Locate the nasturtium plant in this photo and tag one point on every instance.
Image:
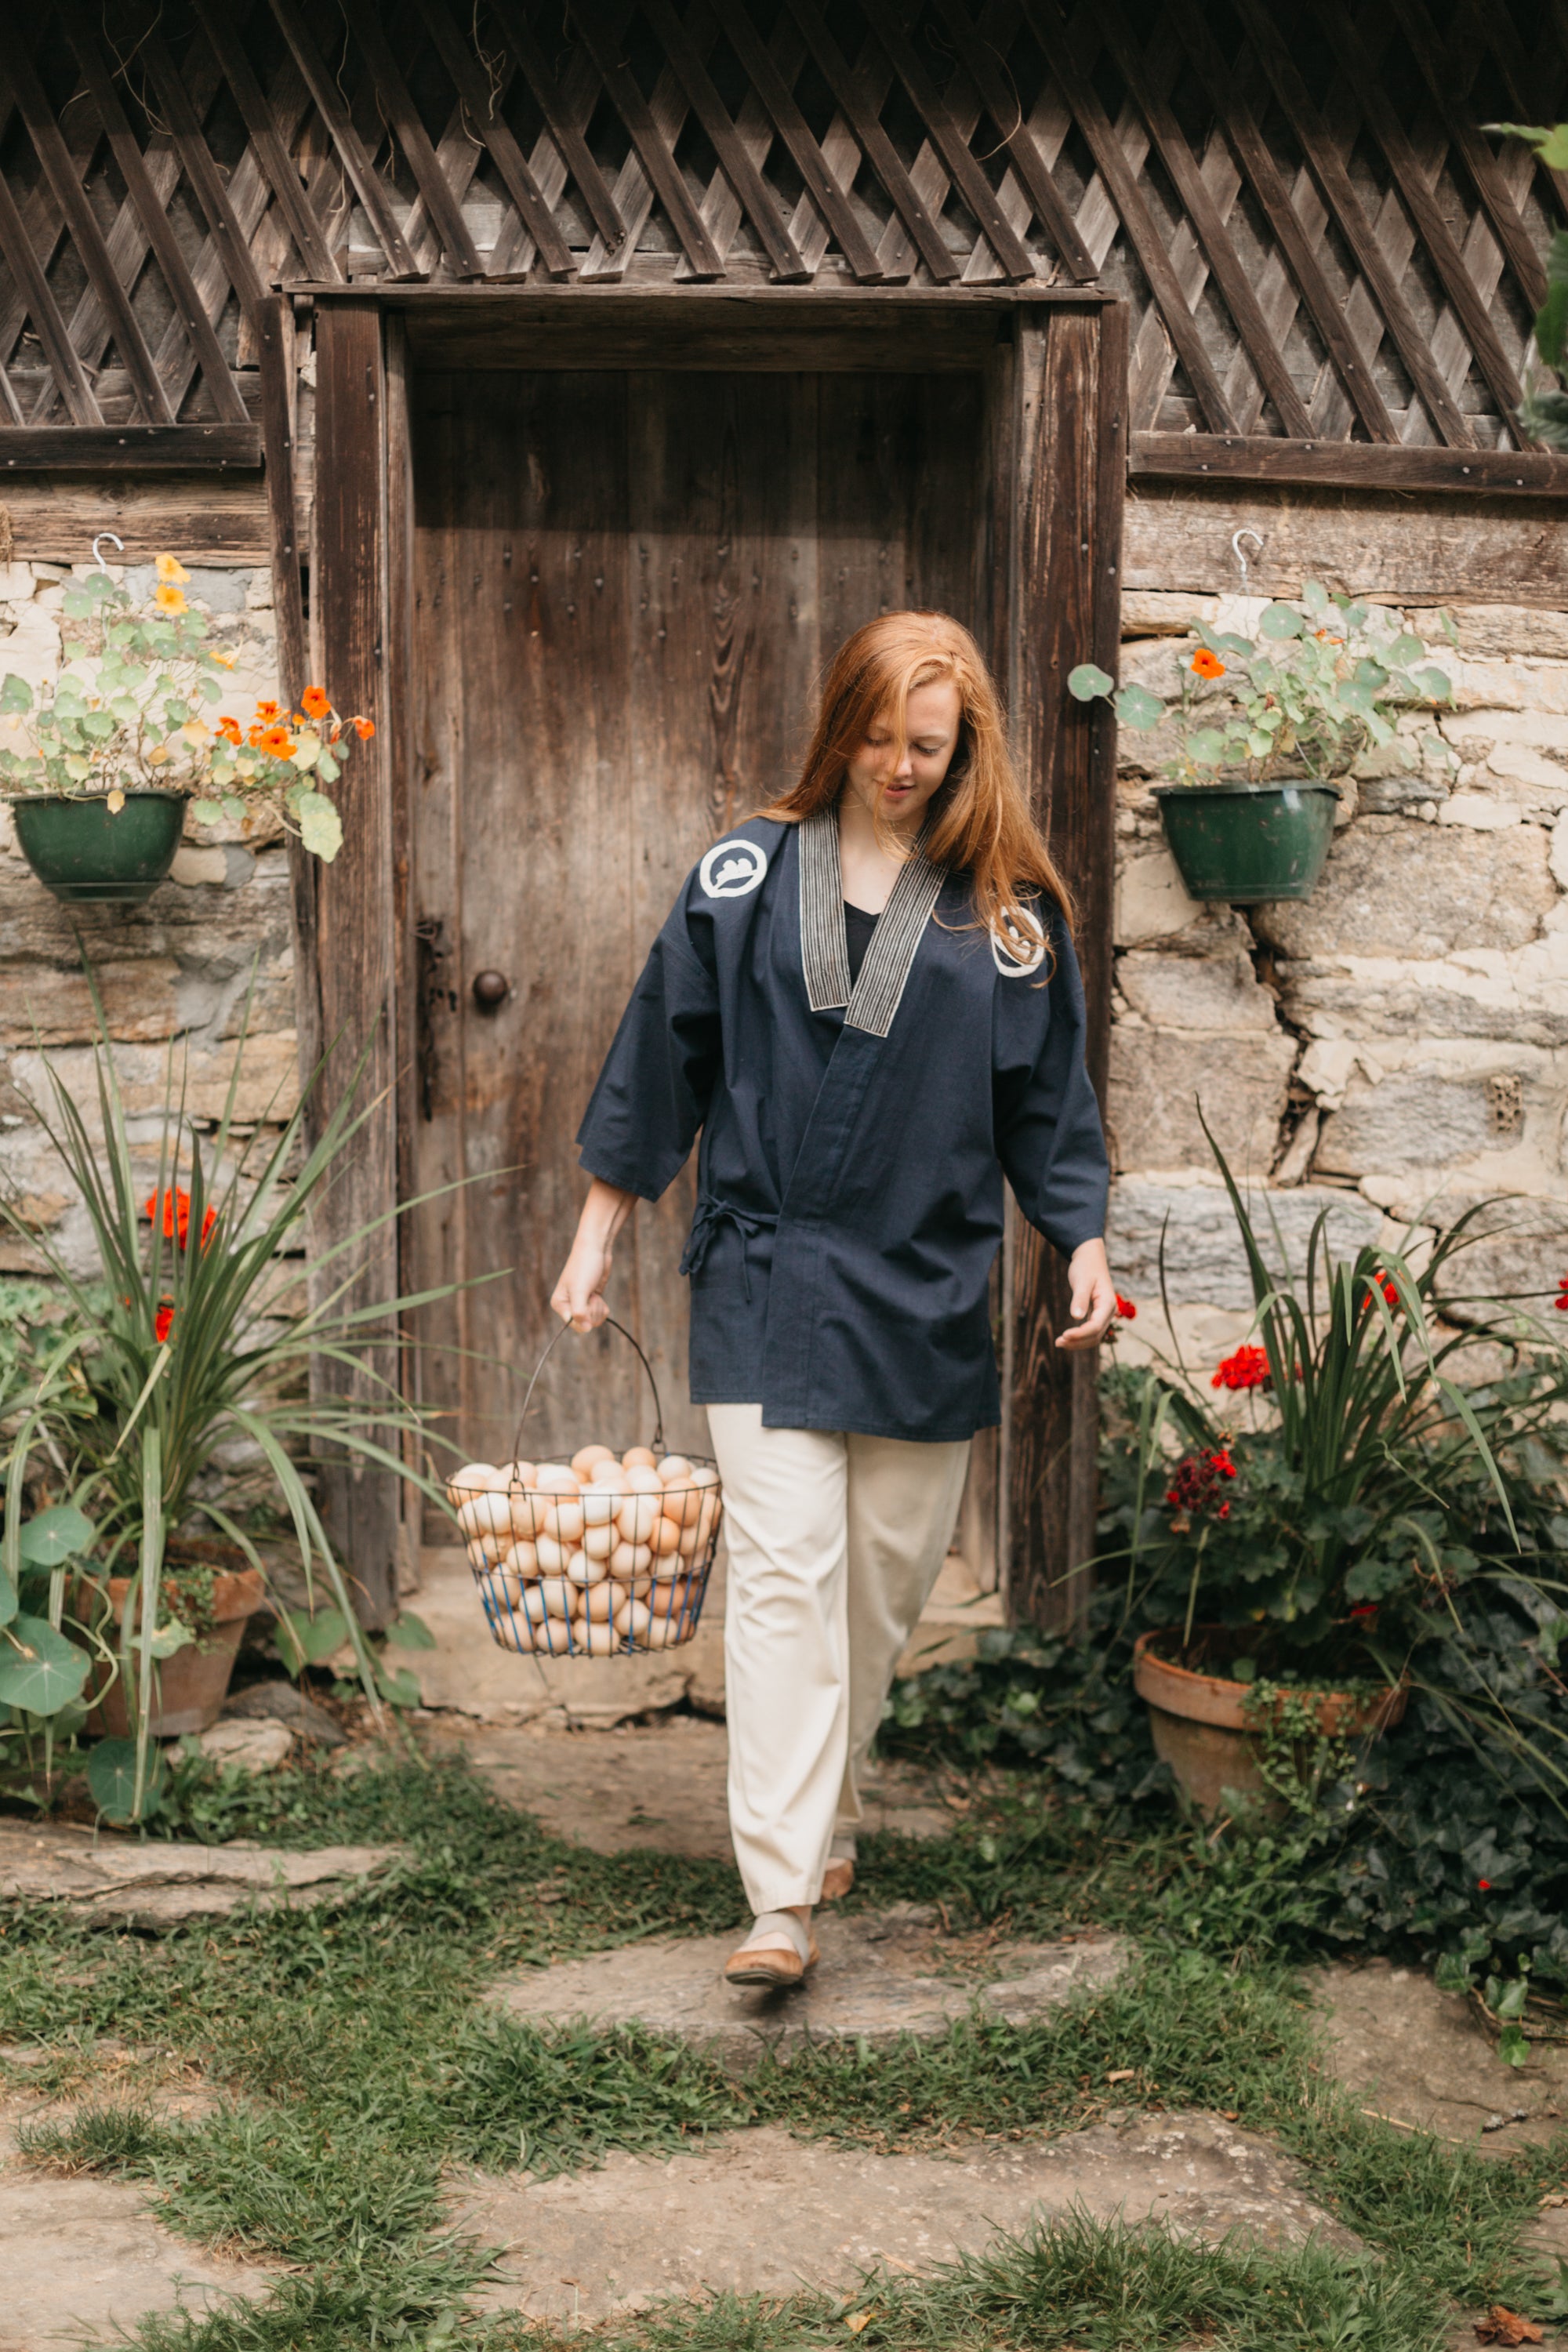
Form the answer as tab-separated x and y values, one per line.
134	711
1320	682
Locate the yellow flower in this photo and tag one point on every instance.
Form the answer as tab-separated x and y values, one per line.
195	731
157	755
223	661
168	600
169	567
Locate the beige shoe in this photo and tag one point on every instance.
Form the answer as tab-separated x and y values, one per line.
836	1881
776	1955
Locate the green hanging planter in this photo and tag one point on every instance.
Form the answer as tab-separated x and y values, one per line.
88	857
1243	843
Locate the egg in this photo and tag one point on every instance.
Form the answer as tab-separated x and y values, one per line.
668	1567
553	1595
551	1555
583	1568
556	1636
600	1503
522	1559
587	1457
661	1635
629	1559
640	1458
687	1547
704	1474
487	1551
675	1470
527	1511
597	1603
555	1478
598	1640
600	1542
708	1519
503	1585
682	1505
666	1538
485	1514
472	1478
637	1517
519	1473
512	1632
632	1620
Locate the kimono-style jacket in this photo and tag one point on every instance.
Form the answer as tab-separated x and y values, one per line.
853	1141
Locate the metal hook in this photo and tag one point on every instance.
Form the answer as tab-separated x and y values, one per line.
1235	540
118	542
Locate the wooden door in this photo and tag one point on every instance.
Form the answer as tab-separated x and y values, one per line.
626	587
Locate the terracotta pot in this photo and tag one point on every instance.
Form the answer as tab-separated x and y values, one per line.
192	1685
1202	1732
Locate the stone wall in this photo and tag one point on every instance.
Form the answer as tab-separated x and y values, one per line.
1393	1048
180	967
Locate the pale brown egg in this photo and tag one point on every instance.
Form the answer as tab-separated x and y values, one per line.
553	1595
519	1473
642	1480
683	1504
473	1478
687	1547
522	1559
640	1458
600	1542
628	1560
583	1568
597	1603
487	1551
665	1539
587	1457
600	1503
528	1510
599	1641
486	1514
551	1555
632	1620
556	1478
637	1517
675	1470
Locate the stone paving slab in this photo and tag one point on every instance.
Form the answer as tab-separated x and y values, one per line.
875	1980
650	1787
161	1883
1423	2058
758	2211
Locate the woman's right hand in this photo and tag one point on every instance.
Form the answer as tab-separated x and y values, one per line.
579	1296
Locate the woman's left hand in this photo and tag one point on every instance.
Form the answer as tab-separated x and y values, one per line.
1093	1296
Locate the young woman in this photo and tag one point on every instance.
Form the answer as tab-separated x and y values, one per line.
866	1002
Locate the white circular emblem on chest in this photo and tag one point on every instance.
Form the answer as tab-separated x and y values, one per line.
731	868
1022	951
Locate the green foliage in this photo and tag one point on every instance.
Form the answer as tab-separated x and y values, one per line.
129	712
1322	680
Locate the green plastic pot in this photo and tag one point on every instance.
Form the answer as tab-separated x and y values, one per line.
1244	842
88	857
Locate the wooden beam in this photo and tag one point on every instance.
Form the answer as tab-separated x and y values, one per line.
1143	232
1035	175
391	92
974	187
33	288
759	205
61	172
276	164
821	181
1252	153
196	163
345	961
275	351
485	119
560	120
852	93
1354	465
330	105
1069	408
131	448
1333	182
655	152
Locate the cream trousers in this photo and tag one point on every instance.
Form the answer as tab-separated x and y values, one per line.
834	1542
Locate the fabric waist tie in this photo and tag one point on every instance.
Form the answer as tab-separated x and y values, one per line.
711	1214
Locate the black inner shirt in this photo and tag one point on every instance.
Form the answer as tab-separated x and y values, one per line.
859	927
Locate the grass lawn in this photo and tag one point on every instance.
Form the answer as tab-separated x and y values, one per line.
356	2062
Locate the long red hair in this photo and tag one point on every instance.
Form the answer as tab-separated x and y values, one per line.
980	821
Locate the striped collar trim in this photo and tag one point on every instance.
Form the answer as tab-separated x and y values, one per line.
875	999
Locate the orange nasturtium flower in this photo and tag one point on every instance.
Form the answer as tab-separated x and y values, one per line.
229	729
268	709
168	599
170	569
163	1322
1207	664
315	702
364	728
278	743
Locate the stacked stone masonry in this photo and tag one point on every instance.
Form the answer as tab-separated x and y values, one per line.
179	970
1392	1049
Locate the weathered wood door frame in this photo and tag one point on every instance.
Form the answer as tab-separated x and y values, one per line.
1056	375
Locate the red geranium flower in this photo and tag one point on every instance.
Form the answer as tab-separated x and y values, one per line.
176	1215
1364	1609
1247	1369
163	1322
1561	1301
1386	1284
1197	1477
1125	1309
1485	1885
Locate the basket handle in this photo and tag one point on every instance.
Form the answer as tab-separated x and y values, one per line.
555	1343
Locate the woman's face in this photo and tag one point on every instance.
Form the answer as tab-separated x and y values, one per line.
898	787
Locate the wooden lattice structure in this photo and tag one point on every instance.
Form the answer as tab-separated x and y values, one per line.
1330	266
242	249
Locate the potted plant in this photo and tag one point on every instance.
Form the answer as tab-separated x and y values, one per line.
1265	729
189	1345
1307	1529
101	766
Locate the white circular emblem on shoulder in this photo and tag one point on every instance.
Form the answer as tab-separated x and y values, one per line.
731	868
1021	951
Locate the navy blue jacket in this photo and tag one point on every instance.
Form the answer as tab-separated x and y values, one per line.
853	1141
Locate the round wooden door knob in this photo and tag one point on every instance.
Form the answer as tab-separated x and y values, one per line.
491	989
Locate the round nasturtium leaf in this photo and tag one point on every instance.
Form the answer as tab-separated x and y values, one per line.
40	1671
1088	680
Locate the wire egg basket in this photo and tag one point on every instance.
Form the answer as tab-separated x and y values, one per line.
606	1555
